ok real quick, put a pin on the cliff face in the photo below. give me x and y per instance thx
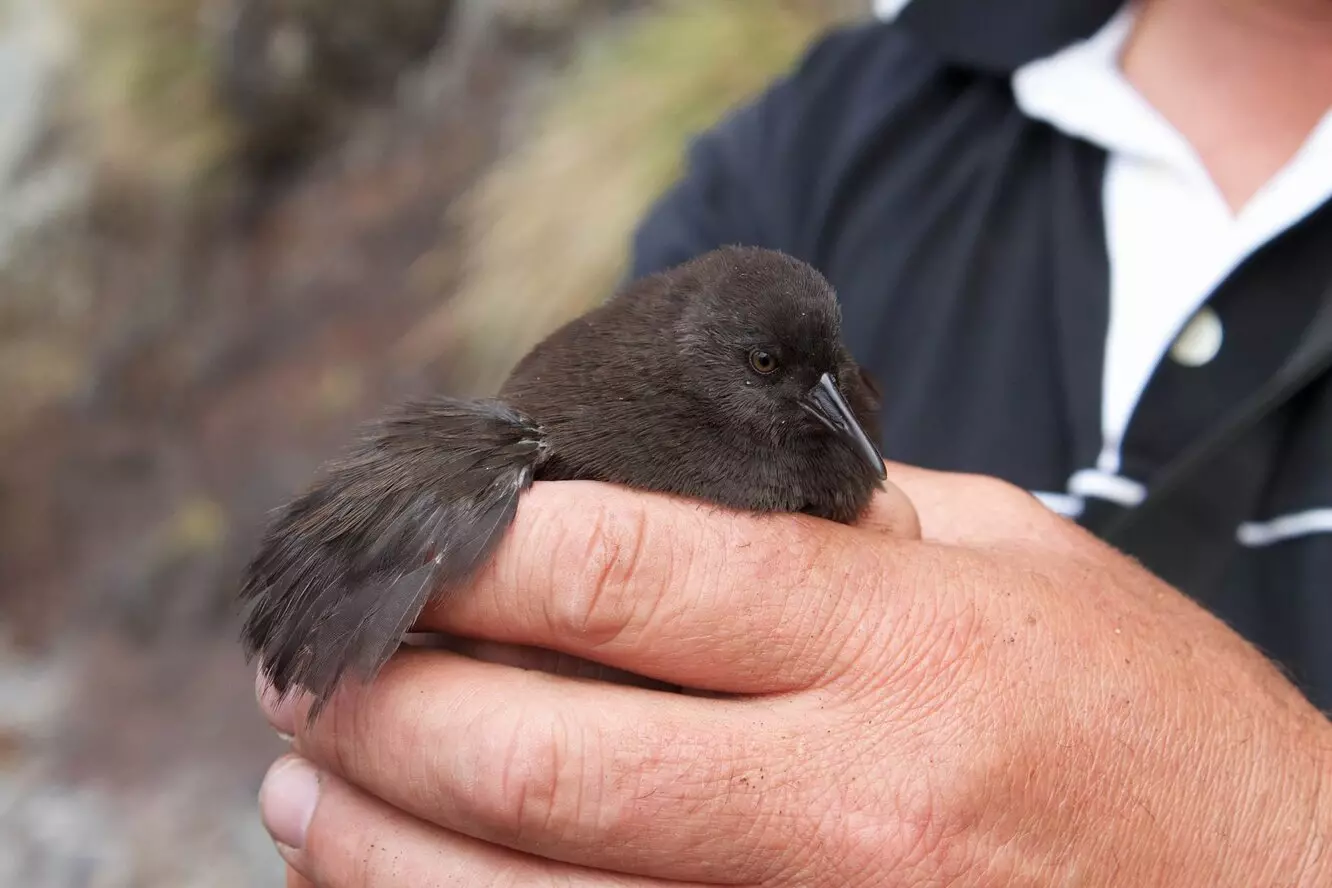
(229, 231)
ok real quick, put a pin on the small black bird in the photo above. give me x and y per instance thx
(723, 379)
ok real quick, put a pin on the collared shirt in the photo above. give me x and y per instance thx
(989, 253)
(1171, 237)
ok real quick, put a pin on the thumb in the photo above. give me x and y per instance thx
(892, 512)
(958, 508)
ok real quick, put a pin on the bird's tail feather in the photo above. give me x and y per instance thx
(344, 570)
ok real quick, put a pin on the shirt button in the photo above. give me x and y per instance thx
(1200, 340)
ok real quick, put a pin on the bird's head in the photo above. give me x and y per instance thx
(760, 332)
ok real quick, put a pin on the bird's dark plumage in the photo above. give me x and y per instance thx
(724, 379)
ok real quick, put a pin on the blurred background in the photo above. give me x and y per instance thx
(230, 230)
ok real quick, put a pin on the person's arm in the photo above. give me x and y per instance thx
(1007, 701)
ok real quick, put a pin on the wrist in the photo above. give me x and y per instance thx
(1282, 821)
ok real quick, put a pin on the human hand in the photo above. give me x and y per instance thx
(1005, 701)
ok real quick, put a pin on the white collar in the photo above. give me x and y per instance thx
(1082, 90)
(888, 9)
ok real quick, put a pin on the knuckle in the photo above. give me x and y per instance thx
(934, 833)
(542, 790)
(918, 824)
(609, 546)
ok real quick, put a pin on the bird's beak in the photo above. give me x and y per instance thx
(826, 404)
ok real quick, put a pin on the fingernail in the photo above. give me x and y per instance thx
(287, 800)
(281, 713)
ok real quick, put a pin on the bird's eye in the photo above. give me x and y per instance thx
(762, 362)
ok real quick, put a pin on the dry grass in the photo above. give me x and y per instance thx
(43, 358)
(136, 111)
(546, 231)
(133, 113)
(143, 99)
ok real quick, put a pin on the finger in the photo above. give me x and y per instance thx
(597, 775)
(356, 841)
(676, 591)
(980, 511)
(892, 512)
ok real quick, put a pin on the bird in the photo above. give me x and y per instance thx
(723, 379)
